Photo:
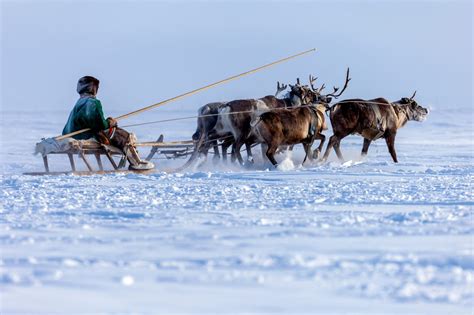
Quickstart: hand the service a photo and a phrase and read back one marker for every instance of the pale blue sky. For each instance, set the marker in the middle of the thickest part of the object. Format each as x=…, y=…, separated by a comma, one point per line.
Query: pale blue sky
x=147, y=51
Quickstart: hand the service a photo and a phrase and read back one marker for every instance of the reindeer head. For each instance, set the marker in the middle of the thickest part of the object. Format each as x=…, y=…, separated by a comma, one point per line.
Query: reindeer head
x=299, y=94
x=314, y=94
x=412, y=109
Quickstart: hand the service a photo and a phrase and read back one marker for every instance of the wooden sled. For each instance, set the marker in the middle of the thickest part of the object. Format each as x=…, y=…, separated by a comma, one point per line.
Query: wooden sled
x=83, y=149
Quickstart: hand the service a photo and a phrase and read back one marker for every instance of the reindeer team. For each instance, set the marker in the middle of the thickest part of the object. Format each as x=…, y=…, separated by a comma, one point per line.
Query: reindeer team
x=299, y=117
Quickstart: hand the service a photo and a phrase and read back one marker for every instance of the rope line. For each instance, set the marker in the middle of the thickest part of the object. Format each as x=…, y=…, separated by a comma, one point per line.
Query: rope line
x=235, y=113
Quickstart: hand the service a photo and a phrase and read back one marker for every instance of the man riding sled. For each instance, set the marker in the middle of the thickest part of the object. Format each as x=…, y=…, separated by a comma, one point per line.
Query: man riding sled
x=87, y=113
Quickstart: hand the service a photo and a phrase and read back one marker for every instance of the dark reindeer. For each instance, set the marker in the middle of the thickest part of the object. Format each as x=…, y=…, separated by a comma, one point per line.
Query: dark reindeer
x=206, y=122
x=302, y=124
x=372, y=119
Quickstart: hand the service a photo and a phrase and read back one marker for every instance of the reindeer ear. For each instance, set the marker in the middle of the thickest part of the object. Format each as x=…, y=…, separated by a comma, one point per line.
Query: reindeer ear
x=328, y=99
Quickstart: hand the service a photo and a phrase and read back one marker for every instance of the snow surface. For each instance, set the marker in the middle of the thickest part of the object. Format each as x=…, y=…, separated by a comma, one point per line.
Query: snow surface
x=365, y=237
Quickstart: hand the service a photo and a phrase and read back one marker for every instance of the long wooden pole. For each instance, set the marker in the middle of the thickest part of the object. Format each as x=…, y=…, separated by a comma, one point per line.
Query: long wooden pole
x=141, y=110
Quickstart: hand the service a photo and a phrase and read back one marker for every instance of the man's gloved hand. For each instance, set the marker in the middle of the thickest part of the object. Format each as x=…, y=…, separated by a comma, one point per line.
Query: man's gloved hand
x=112, y=122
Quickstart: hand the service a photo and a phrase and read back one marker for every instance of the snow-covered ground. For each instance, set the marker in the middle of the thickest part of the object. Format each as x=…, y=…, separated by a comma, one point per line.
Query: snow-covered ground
x=365, y=237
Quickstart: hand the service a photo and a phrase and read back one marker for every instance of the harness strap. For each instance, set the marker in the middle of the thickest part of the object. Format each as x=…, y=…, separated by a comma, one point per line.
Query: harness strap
x=378, y=121
x=378, y=116
x=312, y=125
x=400, y=110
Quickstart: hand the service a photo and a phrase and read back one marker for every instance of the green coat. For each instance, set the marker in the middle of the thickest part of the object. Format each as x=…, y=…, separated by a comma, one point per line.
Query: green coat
x=87, y=113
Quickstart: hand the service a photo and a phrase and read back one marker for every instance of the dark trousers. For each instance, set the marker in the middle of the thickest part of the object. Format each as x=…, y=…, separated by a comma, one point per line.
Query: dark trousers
x=122, y=140
x=116, y=137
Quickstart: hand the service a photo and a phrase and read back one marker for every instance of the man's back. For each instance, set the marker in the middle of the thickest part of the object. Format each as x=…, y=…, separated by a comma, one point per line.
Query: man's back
x=87, y=113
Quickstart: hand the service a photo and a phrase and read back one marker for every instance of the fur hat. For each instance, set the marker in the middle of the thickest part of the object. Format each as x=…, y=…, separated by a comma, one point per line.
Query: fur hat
x=86, y=85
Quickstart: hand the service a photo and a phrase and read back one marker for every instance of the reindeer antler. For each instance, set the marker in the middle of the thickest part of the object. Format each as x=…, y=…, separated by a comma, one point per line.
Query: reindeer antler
x=311, y=82
x=321, y=88
x=343, y=89
x=280, y=88
x=413, y=96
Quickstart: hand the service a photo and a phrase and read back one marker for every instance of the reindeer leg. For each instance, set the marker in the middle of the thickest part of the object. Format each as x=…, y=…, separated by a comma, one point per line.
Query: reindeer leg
x=237, y=146
x=365, y=147
x=333, y=139
x=224, y=151
x=317, y=152
x=233, y=156
x=338, y=150
x=212, y=142
x=248, y=148
x=390, y=140
x=271, y=154
x=307, y=149
x=205, y=149
x=334, y=142
x=225, y=145
x=264, y=148
x=215, y=146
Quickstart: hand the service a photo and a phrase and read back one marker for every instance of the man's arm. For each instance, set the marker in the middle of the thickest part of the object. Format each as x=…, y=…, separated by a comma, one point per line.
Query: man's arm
x=112, y=122
x=102, y=123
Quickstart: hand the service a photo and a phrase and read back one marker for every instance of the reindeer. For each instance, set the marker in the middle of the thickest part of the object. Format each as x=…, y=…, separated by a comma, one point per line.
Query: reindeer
x=206, y=122
x=372, y=119
x=302, y=124
x=288, y=127
x=235, y=117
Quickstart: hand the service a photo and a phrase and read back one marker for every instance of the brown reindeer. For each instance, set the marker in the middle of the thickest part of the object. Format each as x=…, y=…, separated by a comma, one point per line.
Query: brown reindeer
x=372, y=119
x=302, y=124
